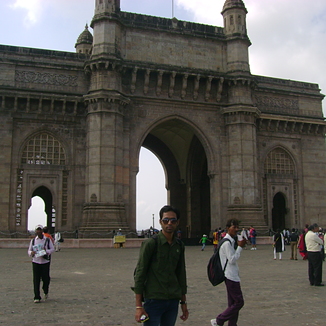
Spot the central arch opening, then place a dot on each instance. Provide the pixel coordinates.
(151, 191)
(184, 162)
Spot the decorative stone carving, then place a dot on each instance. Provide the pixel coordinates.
(276, 104)
(208, 87)
(196, 87)
(159, 82)
(46, 78)
(133, 80)
(146, 82)
(172, 83)
(236, 201)
(184, 86)
(219, 89)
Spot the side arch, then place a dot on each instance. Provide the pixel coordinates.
(42, 163)
(280, 189)
(46, 194)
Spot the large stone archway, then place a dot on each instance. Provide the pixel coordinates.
(185, 164)
(181, 89)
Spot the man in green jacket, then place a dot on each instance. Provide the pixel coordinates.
(160, 277)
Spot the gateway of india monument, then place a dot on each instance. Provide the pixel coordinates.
(232, 144)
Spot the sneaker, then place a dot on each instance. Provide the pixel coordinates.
(37, 300)
(213, 322)
(46, 296)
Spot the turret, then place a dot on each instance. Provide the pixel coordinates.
(107, 6)
(234, 14)
(106, 29)
(84, 42)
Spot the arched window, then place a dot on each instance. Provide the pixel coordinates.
(278, 161)
(43, 149)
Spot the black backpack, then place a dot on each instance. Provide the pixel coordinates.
(215, 271)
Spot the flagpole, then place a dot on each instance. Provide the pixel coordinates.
(172, 8)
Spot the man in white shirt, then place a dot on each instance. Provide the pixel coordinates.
(229, 255)
(40, 249)
(57, 238)
(315, 258)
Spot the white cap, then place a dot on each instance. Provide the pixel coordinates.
(39, 226)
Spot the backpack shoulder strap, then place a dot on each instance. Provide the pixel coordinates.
(47, 242)
(220, 245)
(222, 241)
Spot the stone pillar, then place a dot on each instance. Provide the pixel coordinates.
(107, 201)
(107, 172)
(8, 220)
(243, 184)
(217, 220)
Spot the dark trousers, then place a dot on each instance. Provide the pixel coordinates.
(315, 268)
(161, 312)
(235, 303)
(294, 249)
(41, 271)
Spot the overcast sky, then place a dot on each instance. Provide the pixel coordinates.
(288, 41)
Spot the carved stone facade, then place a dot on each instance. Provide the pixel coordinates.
(232, 144)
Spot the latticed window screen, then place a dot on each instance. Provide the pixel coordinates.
(279, 161)
(43, 149)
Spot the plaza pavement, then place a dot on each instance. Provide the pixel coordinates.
(92, 287)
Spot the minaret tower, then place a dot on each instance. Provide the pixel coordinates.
(234, 14)
(240, 116)
(107, 179)
(106, 28)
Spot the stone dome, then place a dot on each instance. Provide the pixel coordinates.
(85, 37)
(233, 4)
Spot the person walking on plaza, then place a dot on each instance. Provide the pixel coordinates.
(229, 255)
(57, 240)
(253, 235)
(315, 259)
(160, 275)
(40, 249)
(215, 239)
(244, 233)
(302, 245)
(294, 238)
(203, 240)
(278, 244)
(47, 234)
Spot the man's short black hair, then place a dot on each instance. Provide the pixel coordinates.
(232, 221)
(168, 208)
(313, 226)
(45, 229)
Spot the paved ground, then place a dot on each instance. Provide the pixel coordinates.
(92, 287)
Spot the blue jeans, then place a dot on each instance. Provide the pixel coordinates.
(161, 312)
